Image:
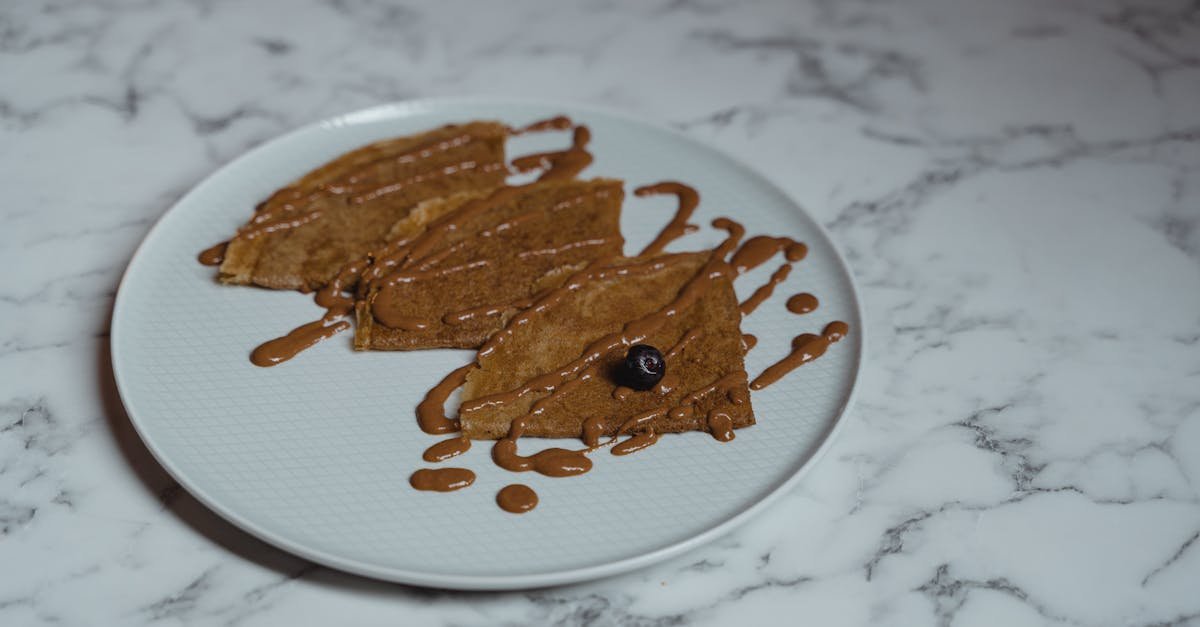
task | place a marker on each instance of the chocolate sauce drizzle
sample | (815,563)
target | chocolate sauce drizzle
(689,199)
(805,348)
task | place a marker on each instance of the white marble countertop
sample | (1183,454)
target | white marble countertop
(1016,185)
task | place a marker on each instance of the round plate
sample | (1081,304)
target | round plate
(314,455)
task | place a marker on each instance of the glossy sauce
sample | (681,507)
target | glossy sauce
(441,479)
(764,292)
(689,199)
(281,349)
(593,428)
(720,425)
(561,164)
(431,411)
(446,449)
(636,443)
(516,498)
(757,250)
(805,348)
(802,303)
(552,462)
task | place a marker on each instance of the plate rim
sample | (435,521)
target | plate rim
(405,108)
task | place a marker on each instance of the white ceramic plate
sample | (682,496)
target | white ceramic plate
(314,455)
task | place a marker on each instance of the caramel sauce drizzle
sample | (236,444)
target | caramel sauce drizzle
(689,199)
(749,341)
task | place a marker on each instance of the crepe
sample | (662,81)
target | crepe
(303,234)
(484,259)
(705,383)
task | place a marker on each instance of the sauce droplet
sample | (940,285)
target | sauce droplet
(836,330)
(446,449)
(516,498)
(802,303)
(441,479)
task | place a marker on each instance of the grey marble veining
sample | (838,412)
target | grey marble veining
(1016,185)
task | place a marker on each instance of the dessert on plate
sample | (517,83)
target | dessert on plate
(426,244)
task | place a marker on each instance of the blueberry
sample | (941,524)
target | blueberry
(644,367)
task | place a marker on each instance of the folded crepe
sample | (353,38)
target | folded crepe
(303,234)
(484,258)
(599,311)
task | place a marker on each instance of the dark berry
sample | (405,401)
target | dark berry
(644,367)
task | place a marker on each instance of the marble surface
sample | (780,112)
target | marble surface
(1016,185)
